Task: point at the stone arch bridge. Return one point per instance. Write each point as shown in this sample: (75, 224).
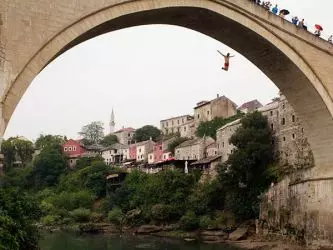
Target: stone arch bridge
(34, 32)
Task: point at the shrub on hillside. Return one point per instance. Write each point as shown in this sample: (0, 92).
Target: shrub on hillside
(189, 221)
(205, 222)
(161, 212)
(81, 215)
(116, 216)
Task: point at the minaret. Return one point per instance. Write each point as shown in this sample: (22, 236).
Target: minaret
(112, 123)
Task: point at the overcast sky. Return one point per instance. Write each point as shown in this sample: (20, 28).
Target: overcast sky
(145, 74)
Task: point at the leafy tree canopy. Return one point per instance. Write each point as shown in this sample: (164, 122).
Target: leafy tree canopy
(246, 173)
(18, 213)
(92, 133)
(109, 140)
(44, 141)
(48, 166)
(16, 149)
(209, 128)
(147, 132)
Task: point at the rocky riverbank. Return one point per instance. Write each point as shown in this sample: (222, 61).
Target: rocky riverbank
(243, 237)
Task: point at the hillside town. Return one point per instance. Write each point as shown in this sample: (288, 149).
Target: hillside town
(290, 145)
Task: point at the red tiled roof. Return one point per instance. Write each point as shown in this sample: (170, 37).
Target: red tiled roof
(251, 104)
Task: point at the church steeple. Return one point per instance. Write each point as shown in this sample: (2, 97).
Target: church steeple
(112, 123)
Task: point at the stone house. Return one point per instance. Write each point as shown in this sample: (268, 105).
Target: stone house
(173, 125)
(211, 150)
(187, 130)
(221, 106)
(291, 147)
(114, 154)
(250, 106)
(125, 135)
(143, 149)
(193, 149)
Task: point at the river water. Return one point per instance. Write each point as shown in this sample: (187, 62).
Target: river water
(67, 241)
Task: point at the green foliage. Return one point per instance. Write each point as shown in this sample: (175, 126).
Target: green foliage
(205, 222)
(209, 128)
(142, 191)
(116, 216)
(72, 200)
(16, 149)
(48, 166)
(147, 132)
(109, 140)
(175, 143)
(50, 220)
(244, 176)
(87, 161)
(92, 133)
(161, 212)
(189, 221)
(18, 213)
(46, 141)
(81, 215)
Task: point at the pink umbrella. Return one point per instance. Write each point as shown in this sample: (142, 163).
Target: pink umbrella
(319, 27)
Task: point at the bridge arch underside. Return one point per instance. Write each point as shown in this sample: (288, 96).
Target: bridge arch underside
(255, 43)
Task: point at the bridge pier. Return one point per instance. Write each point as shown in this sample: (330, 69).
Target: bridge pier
(301, 207)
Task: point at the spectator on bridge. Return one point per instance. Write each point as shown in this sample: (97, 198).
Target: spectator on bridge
(302, 24)
(226, 61)
(317, 33)
(330, 39)
(295, 20)
(275, 10)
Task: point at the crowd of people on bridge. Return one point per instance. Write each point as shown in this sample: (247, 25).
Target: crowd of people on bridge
(295, 20)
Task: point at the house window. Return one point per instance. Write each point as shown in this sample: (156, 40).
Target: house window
(207, 112)
(302, 130)
(284, 138)
(293, 118)
(294, 136)
(272, 126)
(139, 150)
(115, 151)
(283, 122)
(74, 148)
(65, 148)
(69, 148)
(182, 120)
(283, 106)
(223, 144)
(71, 161)
(150, 157)
(198, 116)
(273, 142)
(215, 152)
(178, 122)
(271, 113)
(184, 129)
(129, 135)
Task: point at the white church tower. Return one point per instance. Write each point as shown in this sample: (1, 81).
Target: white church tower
(112, 123)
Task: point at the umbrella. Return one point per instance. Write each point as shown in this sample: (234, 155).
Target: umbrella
(284, 12)
(319, 27)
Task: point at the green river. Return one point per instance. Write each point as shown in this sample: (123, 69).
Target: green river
(67, 241)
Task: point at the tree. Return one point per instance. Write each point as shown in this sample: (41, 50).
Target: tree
(246, 173)
(175, 143)
(48, 166)
(147, 132)
(109, 140)
(209, 128)
(15, 149)
(18, 215)
(92, 133)
(44, 141)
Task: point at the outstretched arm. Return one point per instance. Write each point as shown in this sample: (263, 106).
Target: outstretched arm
(220, 53)
(231, 56)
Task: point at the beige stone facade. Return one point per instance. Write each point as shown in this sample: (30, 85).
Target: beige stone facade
(143, 149)
(187, 130)
(221, 106)
(174, 125)
(223, 135)
(290, 144)
(194, 149)
(125, 135)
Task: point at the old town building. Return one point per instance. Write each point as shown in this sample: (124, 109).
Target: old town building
(187, 130)
(114, 154)
(290, 144)
(73, 149)
(194, 149)
(143, 149)
(173, 125)
(125, 135)
(221, 106)
(250, 106)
